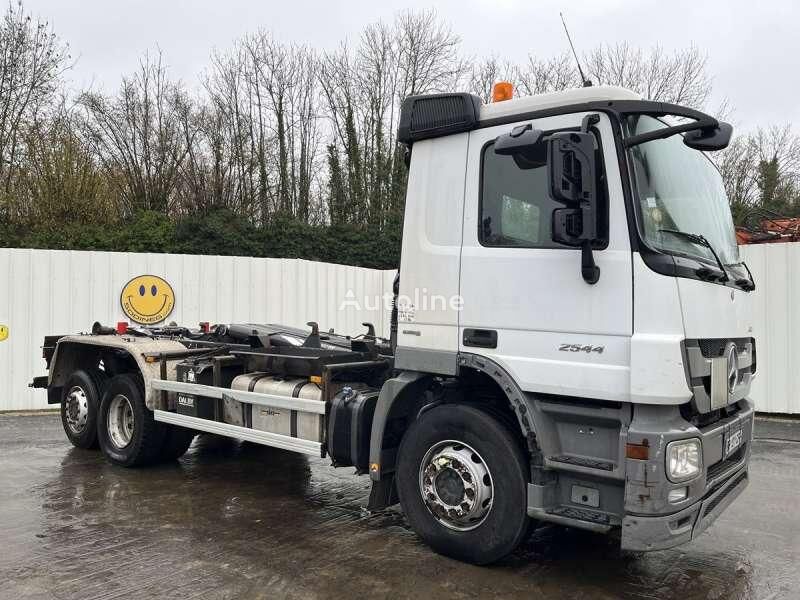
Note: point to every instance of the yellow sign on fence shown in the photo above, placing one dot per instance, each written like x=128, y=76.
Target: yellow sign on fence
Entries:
x=3, y=333
x=147, y=299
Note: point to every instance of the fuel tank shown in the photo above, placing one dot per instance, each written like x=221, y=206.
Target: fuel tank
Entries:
x=293, y=423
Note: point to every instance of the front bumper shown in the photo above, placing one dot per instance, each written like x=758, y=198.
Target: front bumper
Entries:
x=658, y=533
x=650, y=522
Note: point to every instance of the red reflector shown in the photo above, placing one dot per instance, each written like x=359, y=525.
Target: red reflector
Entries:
x=205, y=326
x=122, y=328
x=637, y=451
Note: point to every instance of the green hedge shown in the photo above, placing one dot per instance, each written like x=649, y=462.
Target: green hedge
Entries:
x=219, y=232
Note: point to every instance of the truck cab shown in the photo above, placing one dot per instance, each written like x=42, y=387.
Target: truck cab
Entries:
x=571, y=338
x=614, y=311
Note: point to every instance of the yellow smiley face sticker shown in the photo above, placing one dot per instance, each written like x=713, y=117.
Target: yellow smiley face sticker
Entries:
x=3, y=333
x=147, y=299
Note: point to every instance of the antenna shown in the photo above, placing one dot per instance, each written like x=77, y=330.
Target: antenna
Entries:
x=586, y=82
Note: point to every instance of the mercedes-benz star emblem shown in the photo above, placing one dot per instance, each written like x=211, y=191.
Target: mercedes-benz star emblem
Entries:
x=733, y=367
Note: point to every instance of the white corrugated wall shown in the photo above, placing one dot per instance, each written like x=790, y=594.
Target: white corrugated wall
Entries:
x=776, y=270
x=46, y=292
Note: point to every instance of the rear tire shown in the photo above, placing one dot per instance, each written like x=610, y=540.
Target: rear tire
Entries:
x=128, y=434
x=176, y=442
x=80, y=401
x=462, y=480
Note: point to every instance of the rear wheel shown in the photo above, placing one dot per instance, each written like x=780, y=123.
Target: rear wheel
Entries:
x=79, y=405
x=462, y=481
x=129, y=435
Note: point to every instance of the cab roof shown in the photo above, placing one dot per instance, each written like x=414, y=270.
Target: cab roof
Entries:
x=435, y=115
x=529, y=104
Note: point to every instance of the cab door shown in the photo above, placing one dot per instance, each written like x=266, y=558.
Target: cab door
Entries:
x=525, y=304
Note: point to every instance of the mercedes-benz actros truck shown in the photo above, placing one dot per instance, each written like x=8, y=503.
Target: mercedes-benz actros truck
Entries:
x=571, y=338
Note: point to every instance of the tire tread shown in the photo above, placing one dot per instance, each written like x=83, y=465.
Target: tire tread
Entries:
x=146, y=444
x=508, y=525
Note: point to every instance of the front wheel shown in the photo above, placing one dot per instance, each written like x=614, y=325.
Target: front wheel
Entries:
x=129, y=435
x=462, y=481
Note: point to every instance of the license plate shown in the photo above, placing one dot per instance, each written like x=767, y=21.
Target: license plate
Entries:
x=734, y=441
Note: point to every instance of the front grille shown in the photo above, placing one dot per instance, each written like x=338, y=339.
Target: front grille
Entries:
x=703, y=420
x=715, y=502
x=713, y=347
x=720, y=467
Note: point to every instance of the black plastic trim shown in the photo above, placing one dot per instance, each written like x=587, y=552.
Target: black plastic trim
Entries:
x=435, y=115
x=480, y=338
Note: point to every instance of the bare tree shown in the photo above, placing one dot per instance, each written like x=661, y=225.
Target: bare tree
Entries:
x=281, y=129
x=678, y=78
x=207, y=178
x=142, y=136
x=60, y=181
x=544, y=75
x=738, y=167
x=264, y=96
x=231, y=133
x=32, y=60
x=363, y=89
x=762, y=170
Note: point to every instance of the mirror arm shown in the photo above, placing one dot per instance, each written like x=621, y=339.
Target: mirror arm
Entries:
x=660, y=134
x=588, y=121
x=589, y=269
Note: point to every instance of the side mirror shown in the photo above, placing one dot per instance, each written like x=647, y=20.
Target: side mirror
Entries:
x=570, y=162
x=710, y=140
x=573, y=182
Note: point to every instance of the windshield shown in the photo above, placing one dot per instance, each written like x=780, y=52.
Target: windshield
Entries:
x=680, y=189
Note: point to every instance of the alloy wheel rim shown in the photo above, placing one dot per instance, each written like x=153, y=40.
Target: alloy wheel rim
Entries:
x=456, y=485
x=76, y=410
x=120, y=421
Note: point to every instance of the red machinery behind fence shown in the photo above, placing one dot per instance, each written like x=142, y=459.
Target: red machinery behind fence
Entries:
x=765, y=227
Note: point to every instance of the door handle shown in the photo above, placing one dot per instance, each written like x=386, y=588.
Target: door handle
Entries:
x=480, y=338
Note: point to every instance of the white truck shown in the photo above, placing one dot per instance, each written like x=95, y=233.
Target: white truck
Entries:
x=571, y=338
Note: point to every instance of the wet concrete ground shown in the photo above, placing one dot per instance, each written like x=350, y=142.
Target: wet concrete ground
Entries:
x=237, y=520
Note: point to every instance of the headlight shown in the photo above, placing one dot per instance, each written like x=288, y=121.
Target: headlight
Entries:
x=684, y=459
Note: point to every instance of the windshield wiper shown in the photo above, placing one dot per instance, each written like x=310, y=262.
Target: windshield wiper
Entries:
x=748, y=285
x=700, y=241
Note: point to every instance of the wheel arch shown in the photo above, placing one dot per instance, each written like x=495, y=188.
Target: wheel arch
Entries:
x=119, y=355
x=398, y=398
x=510, y=390
x=404, y=394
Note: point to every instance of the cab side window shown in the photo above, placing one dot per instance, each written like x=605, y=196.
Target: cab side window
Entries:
x=516, y=209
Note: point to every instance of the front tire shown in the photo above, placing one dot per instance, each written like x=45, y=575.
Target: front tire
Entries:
x=80, y=402
x=128, y=434
x=462, y=480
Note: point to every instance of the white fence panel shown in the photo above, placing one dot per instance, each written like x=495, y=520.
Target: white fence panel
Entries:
x=46, y=292
x=776, y=269
x=49, y=291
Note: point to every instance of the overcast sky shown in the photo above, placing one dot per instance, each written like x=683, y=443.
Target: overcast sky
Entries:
x=753, y=47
